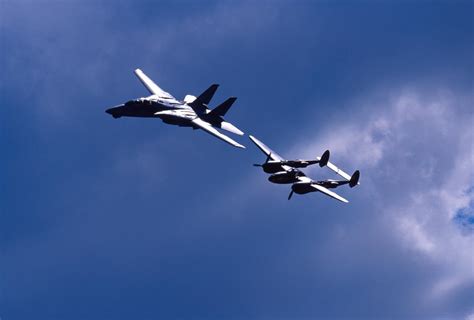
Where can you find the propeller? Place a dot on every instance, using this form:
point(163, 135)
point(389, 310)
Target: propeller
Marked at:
point(268, 159)
point(290, 195)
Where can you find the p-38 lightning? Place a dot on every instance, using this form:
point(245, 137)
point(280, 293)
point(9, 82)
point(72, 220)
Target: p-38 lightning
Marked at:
point(285, 172)
point(191, 112)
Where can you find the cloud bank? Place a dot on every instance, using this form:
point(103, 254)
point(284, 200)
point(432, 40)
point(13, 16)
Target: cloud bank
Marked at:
point(415, 150)
point(134, 219)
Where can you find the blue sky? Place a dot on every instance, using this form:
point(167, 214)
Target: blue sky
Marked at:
point(132, 218)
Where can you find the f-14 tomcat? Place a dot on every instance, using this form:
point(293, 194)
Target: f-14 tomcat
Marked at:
point(191, 112)
point(285, 172)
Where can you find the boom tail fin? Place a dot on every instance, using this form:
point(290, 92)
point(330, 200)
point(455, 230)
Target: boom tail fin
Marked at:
point(324, 159)
point(354, 179)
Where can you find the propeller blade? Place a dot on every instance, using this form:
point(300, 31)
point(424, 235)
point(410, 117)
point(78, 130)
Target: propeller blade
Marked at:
point(257, 165)
point(290, 195)
point(268, 157)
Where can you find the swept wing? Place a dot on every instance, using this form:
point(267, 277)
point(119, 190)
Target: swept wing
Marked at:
point(206, 126)
point(151, 86)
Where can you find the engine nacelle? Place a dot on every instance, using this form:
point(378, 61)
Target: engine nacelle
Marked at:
point(302, 187)
point(272, 167)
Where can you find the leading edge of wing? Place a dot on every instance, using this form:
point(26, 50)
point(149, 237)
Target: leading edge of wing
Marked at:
point(329, 193)
point(334, 168)
point(209, 129)
point(152, 86)
point(266, 150)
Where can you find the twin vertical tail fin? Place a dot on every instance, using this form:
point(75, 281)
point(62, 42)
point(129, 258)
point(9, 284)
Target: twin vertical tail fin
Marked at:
point(200, 104)
point(222, 109)
point(219, 112)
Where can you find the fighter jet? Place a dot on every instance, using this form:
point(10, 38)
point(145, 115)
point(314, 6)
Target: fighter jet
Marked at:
point(191, 112)
point(285, 172)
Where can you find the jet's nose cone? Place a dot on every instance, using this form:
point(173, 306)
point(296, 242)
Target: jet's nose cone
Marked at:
point(115, 112)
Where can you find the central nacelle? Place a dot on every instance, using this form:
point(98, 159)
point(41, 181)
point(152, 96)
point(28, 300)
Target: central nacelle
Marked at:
point(284, 177)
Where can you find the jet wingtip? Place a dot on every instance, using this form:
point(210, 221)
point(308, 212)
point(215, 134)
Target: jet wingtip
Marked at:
point(238, 145)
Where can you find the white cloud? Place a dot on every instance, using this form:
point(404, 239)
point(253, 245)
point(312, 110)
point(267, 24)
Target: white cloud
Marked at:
point(414, 149)
point(412, 232)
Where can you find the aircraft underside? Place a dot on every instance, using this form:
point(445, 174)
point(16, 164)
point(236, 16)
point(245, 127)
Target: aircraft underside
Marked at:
point(135, 110)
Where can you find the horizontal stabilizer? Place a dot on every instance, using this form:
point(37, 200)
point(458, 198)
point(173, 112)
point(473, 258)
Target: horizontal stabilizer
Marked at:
point(329, 193)
point(222, 109)
point(151, 86)
point(200, 104)
point(231, 128)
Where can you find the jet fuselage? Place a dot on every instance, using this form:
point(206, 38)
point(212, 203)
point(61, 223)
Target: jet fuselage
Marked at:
point(176, 114)
point(191, 112)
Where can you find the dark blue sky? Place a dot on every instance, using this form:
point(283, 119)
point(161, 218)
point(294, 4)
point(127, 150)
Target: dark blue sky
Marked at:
point(132, 218)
